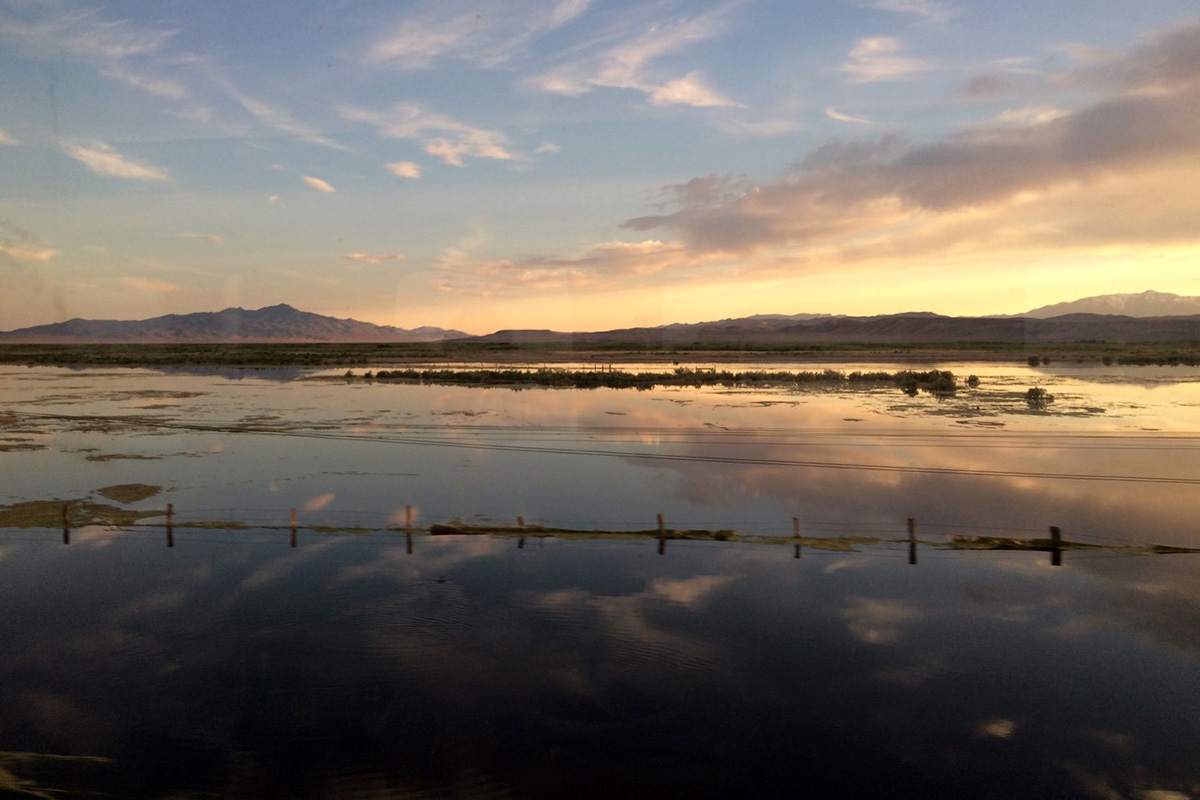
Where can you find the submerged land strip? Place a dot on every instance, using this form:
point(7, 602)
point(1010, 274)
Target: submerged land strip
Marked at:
point(933, 381)
point(317, 355)
point(68, 515)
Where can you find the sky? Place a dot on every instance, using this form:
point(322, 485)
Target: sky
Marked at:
point(594, 164)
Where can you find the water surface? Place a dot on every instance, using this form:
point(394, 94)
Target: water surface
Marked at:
point(380, 665)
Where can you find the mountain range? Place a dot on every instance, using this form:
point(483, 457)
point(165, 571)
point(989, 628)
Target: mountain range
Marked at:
point(279, 323)
point(1145, 317)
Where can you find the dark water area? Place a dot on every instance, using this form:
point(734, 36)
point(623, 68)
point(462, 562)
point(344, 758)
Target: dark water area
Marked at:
point(232, 664)
point(223, 661)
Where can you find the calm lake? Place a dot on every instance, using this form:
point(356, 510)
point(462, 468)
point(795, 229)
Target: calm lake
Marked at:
point(229, 656)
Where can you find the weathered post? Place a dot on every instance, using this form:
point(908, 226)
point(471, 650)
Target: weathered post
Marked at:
point(66, 524)
point(1055, 546)
point(170, 525)
point(662, 526)
point(796, 534)
point(408, 518)
point(912, 541)
point(408, 543)
point(294, 525)
point(521, 523)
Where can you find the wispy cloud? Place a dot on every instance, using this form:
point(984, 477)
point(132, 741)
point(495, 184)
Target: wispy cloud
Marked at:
point(404, 169)
point(457, 141)
point(152, 285)
point(927, 10)
point(762, 127)
point(318, 184)
point(153, 84)
point(102, 159)
point(199, 114)
point(547, 147)
point(279, 119)
point(879, 58)
point(631, 63)
point(7, 139)
point(477, 32)
point(82, 34)
point(834, 114)
point(50, 32)
point(603, 266)
point(205, 237)
point(374, 258)
point(18, 243)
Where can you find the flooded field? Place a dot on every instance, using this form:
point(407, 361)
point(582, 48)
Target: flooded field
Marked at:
point(242, 651)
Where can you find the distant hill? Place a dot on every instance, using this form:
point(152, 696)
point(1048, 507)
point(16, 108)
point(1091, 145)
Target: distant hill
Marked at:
point(1145, 304)
point(1125, 318)
point(891, 328)
point(280, 323)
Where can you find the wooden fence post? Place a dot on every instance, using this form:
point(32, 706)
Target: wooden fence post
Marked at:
point(796, 534)
point(1055, 546)
point(912, 541)
point(170, 525)
point(293, 521)
point(66, 524)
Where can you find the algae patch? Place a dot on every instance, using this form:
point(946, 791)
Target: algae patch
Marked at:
point(7, 447)
point(122, 456)
point(129, 492)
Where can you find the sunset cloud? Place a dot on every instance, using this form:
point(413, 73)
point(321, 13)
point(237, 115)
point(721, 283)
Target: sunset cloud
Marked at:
point(151, 285)
point(631, 63)
point(471, 32)
point(838, 116)
point(606, 265)
point(374, 258)
point(205, 237)
point(20, 244)
point(7, 139)
point(102, 159)
point(927, 10)
point(457, 141)
point(1034, 177)
point(879, 58)
point(318, 184)
point(404, 169)
point(279, 119)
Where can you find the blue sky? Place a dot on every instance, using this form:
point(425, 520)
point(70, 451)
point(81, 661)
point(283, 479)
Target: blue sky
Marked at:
point(589, 164)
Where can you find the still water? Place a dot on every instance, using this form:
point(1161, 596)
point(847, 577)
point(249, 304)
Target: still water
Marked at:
point(364, 665)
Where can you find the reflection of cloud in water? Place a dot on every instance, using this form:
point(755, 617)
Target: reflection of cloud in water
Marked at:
point(690, 592)
point(998, 728)
point(858, 562)
point(283, 566)
point(319, 502)
point(969, 504)
point(877, 621)
point(437, 554)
